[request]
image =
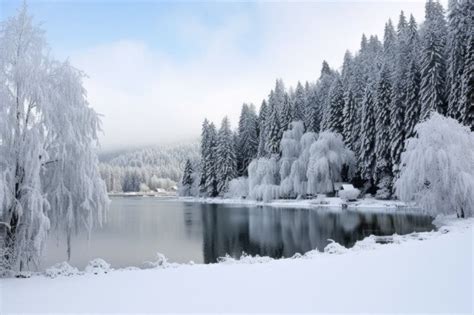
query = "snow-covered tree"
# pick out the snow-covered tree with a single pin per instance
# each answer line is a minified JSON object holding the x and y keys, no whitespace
{"x":383,"y":168}
{"x":286,"y":113}
{"x":187,"y":181}
{"x":290,"y":151}
{"x":467,"y":95}
{"x":225,"y":157}
{"x":433,"y":60}
{"x":457,"y":40}
{"x":247,"y":139}
{"x":209,"y":177}
{"x":272,"y":130}
{"x":48,"y":139}
{"x":368,"y":134}
{"x":328,"y":156}
{"x":262,"y":131}
{"x":335,"y":106}
{"x":438,"y":168}
{"x":299,"y":103}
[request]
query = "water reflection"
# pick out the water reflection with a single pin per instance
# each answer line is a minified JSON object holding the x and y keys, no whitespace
{"x":277,"y":233}
{"x":138,"y":228}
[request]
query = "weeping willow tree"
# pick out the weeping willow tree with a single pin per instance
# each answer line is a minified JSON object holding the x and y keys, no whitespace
{"x":49,"y":176}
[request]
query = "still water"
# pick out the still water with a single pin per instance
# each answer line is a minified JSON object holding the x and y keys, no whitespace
{"x":137,"y":228}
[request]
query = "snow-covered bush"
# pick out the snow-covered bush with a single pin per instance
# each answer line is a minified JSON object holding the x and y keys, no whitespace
{"x":160,"y":262}
{"x":238,"y":188}
{"x":437,"y":168}
{"x":349,"y":194}
{"x":97,"y":266}
{"x":61,"y":269}
{"x":144,"y":187}
{"x":328,"y":155}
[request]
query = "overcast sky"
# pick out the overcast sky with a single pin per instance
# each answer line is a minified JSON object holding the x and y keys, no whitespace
{"x":157,"y":69}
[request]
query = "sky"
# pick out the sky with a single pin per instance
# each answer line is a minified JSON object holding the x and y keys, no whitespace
{"x":156,"y":69}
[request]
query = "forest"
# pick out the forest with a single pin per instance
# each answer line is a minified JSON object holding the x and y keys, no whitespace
{"x":153,"y":168}
{"x":360,"y":118}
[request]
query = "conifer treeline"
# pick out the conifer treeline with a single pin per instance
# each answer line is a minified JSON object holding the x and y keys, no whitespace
{"x":374,"y":102}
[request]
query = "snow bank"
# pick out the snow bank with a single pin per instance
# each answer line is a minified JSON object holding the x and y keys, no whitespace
{"x":417,"y":273}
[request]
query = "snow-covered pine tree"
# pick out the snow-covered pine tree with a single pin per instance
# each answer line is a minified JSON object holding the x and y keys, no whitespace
{"x":399,"y":86}
{"x":383,"y":166}
{"x":457,"y":40}
{"x":205,"y":153}
{"x":368,"y":134}
{"x":433,"y":60}
{"x":336,"y":106}
{"x":412,"y":104}
{"x":210,"y":185}
{"x":412,"y":81}
{"x":278,"y":97}
{"x":273,"y":130}
{"x":286,"y":114}
{"x":247,"y":142}
{"x":299,"y":103}
{"x":187,"y":180}
{"x":225,"y":159}
{"x":322,"y":91}
{"x":389,"y":46}
{"x":48,"y":141}
{"x":468,"y":73}
{"x":262,"y":134}
{"x":311,"y":115}
{"x":348,"y":110}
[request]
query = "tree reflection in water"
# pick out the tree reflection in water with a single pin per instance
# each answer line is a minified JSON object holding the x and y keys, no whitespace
{"x":279,"y":232}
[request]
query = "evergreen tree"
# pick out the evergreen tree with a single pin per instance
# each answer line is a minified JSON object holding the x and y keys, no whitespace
{"x":457,"y":39}
{"x":467,"y":99}
{"x":210,"y":185}
{"x":205,"y":153}
{"x":336,"y":106}
{"x":412,"y":105}
{"x":273,"y":130}
{"x":321,"y":100}
{"x":187,"y":180}
{"x":382,"y":126}
{"x":368,"y":135}
{"x":299,"y":103}
{"x":286,"y":114}
{"x":225,"y":159}
{"x":433,"y":61}
{"x":399,"y":88}
{"x":246,"y":139}
{"x":348,"y":110}
{"x":412,"y":80}
{"x":262,"y":135}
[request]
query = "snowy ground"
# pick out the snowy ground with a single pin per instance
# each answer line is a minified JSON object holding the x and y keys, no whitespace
{"x":418,"y":273}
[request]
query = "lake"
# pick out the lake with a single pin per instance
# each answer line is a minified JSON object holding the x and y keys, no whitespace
{"x":139,"y":227}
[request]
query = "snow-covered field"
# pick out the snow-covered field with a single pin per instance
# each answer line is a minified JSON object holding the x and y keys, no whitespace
{"x":418,"y":273}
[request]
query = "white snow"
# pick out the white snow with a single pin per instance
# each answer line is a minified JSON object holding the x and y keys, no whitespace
{"x":418,"y":273}
{"x":329,"y":203}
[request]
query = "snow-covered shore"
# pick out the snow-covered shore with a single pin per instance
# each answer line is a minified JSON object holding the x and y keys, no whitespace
{"x":421,"y":272}
{"x":329,"y":203}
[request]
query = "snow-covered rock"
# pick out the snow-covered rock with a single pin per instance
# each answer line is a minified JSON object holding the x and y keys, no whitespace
{"x":98,"y":266}
{"x":61,"y":269}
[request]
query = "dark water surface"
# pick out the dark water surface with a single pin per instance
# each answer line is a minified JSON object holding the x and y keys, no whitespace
{"x":138,"y":228}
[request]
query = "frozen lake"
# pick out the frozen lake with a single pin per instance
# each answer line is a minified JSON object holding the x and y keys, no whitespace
{"x":138,"y":228}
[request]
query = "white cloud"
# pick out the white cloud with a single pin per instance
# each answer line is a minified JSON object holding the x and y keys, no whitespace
{"x":149,"y":97}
